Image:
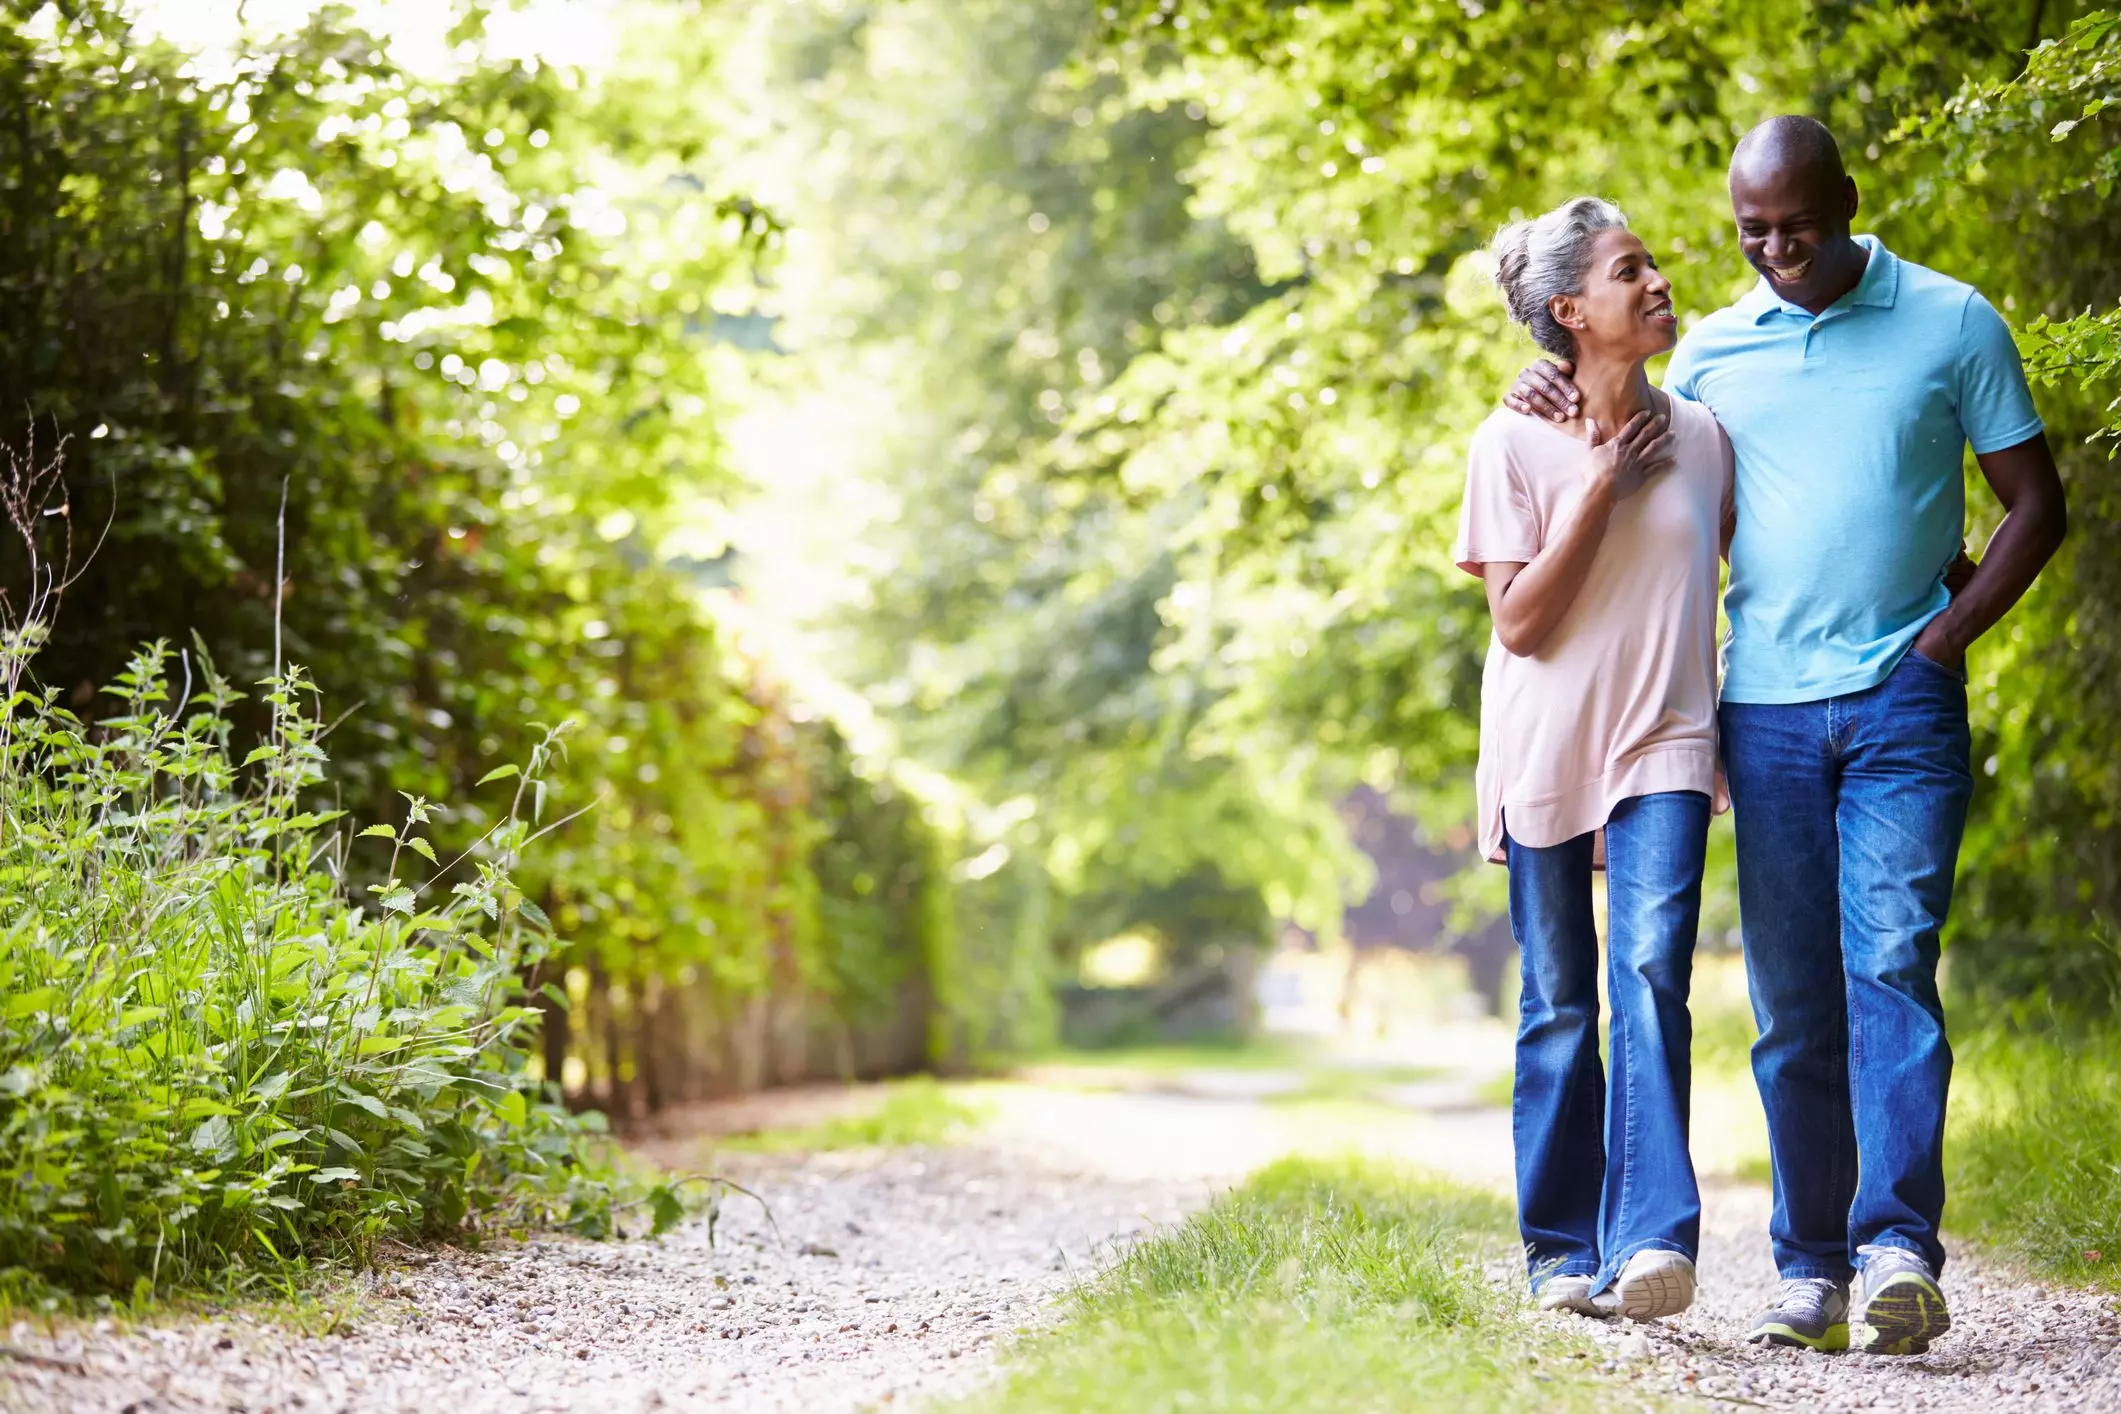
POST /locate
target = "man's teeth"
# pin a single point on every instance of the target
(1787, 273)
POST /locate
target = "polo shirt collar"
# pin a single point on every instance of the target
(1879, 288)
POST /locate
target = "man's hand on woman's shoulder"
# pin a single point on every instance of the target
(1545, 390)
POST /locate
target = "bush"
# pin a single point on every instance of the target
(214, 1054)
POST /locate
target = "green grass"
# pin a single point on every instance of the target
(1231, 1053)
(1352, 1084)
(2034, 1149)
(919, 1111)
(1345, 1286)
(1320, 1075)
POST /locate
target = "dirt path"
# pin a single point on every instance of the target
(896, 1273)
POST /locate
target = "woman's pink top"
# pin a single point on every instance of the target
(1620, 700)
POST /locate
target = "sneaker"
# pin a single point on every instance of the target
(1899, 1308)
(1809, 1312)
(1567, 1292)
(1653, 1283)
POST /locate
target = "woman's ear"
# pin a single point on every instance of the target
(1565, 311)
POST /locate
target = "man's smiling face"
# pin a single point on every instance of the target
(1793, 227)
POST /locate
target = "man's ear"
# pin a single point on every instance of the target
(1850, 199)
(1565, 312)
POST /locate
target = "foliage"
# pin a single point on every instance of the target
(1313, 1286)
(471, 328)
(1006, 622)
(2040, 885)
(214, 1051)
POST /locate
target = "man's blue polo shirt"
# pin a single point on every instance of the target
(1850, 429)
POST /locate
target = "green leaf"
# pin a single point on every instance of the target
(500, 773)
(535, 914)
(398, 900)
(35, 1000)
(664, 1209)
(384, 831)
(335, 1174)
(422, 848)
(213, 1136)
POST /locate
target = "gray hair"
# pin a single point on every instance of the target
(1546, 256)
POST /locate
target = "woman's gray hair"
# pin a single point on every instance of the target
(1546, 256)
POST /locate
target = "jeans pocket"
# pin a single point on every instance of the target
(1957, 675)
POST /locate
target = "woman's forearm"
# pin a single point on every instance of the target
(1539, 596)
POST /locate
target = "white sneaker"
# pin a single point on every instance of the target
(1568, 1293)
(1654, 1283)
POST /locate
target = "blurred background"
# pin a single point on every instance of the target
(976, 474)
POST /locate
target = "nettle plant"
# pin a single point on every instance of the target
(215, 1050)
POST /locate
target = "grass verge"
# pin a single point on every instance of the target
(1343, 1286)
(919, 1111)
(2034, 1149)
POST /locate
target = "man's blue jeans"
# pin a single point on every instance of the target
(1849, 814)
(1599, 1180)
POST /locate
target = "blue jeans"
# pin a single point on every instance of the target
(1599, 1181)
(1849, 813)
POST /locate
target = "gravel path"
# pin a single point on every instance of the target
(896, 1273)
(2014, 1346)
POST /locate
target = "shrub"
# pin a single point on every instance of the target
(215, 1054)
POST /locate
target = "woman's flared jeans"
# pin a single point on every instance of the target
(1603, 1170)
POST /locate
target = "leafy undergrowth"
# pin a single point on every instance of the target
(1343, 1286)
(918, 1111)
(2034, 1149)
(217, 1056)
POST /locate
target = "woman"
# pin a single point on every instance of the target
(1598, 541)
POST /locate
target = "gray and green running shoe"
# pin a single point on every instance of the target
(1809, 1312)
(1899, 1308)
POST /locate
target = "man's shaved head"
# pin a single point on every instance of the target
(1795, 204)
(1790, 145)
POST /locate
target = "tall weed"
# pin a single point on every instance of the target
(216, 1051)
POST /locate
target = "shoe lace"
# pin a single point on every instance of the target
(1804, 1293)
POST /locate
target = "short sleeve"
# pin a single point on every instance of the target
(1727, 513)
(1682, 376)
(1497, 524)
(1995, 405)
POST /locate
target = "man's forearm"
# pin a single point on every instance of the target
(2017, 552)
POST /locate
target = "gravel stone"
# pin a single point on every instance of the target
(939, 1256)
(2014, 1347)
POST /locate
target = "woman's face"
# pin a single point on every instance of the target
(1625, 310)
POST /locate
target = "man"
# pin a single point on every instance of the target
(1849, 382)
